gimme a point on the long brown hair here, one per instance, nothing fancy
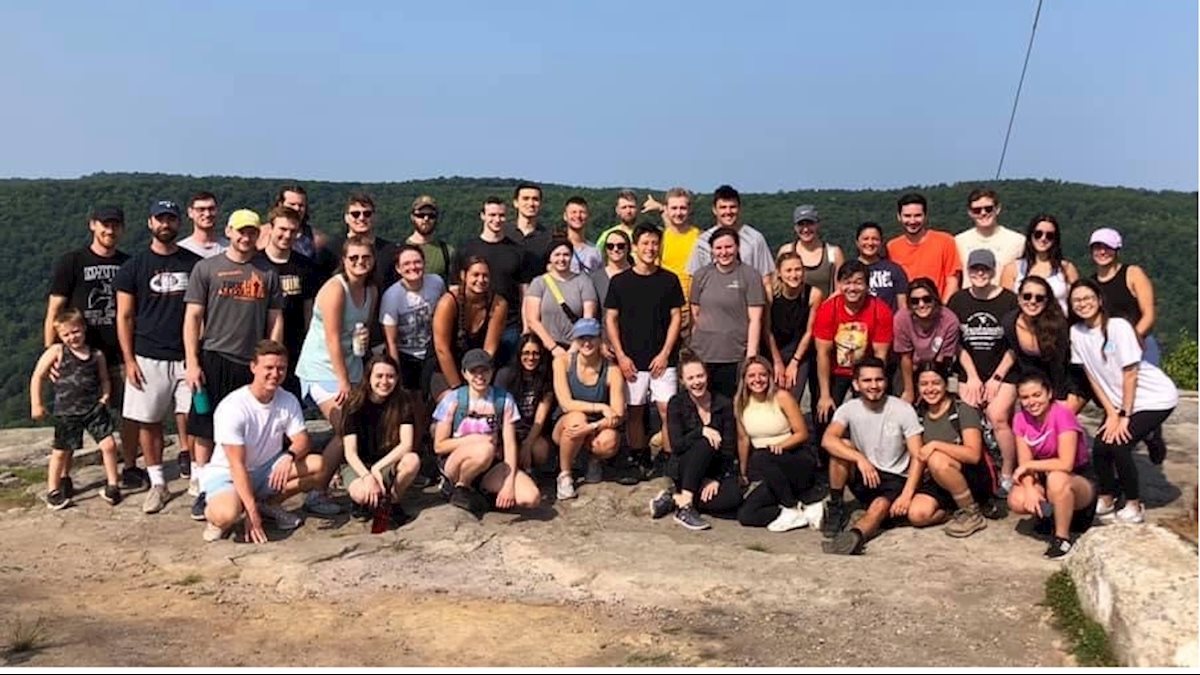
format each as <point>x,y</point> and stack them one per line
<point>742,398</point>
<point>1050,325</point>
<point>395,406</point>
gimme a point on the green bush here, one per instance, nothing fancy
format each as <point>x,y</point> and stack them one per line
<point>1180,363</point>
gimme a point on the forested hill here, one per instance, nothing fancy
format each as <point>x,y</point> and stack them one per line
<point>40,219</point>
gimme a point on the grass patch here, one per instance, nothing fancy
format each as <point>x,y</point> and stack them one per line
<point>1089,643</point>
<point>190,580</point>
<point>18,496</point>
<point>644,660</point>
<point>759,548</point>
<point>27,636</point>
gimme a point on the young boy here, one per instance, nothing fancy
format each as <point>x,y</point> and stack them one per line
<point>81,395</point>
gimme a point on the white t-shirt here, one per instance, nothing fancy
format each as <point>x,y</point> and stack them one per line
<point>881,436</point>
<point>204,250</point>
<point>1007,245</point>
<point>412,313</point>
<point>241,419</point>
<point>1155,391</point>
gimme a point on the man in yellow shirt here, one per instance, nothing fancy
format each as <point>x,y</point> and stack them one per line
<point>679,238</point>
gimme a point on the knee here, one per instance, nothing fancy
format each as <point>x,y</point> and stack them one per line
<point>529,498</point>
<point>573,418</point>
<point>605,444</point>
<point>1058,484</point>
<point>223,512</point>
<point>923,513</point>
<point>408,464</point>
<point>998,416</point>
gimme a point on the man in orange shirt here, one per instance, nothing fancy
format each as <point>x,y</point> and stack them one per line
<point>923,252</point>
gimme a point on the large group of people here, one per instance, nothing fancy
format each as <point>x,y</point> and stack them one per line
<point>941,376</point>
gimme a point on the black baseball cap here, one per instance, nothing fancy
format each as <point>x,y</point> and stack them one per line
<point>108,212</point>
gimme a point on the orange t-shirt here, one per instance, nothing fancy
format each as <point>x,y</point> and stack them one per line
<point>936,257</point>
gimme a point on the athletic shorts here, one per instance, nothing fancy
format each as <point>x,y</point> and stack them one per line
<point>940,494</point>
<point>222,376</point>
<point>219,478</point>
<point>68,429</point>
<point>349,475</point>
<point>658,389</point>
<point>890,486</point>
<point>318,392</point>
<point>164,390</point>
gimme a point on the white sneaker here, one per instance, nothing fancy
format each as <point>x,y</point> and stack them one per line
<point>1130,514</point>
<point>595,471</point>
<point>814,513</point>
<point>566,486</point>
<point>213,533</point>
<point>284,519</point>
<point>194,486</point>
<point>789,519</point>
<point>1106,512</point>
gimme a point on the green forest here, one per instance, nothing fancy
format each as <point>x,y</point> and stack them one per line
<point>41,219</point>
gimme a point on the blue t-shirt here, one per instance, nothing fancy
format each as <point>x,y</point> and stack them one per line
<point>887,280</point>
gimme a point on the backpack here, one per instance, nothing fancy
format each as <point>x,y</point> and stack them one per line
<point>495,394</point>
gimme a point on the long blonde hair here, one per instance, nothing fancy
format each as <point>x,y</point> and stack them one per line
<point>743,396</point>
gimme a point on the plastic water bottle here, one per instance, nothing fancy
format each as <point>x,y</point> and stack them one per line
<point>360,339</point>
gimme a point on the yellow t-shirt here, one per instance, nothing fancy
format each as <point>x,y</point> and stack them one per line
<point>676,249</point>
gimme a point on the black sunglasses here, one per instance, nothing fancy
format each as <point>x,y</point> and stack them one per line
<point>1045,235</point>
<point>426,215</point>
<point>982,210</point>
<point>361,214</point>
<point>917,301</point>
<point>1033,297</point>
<point>616,247</point>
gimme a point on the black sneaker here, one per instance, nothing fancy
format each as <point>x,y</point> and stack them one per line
<point>399,516</point>
<point>462,498</point>
<point>662,504</point>
<point>421,481</point>
<point>849,542</point>
<point>993,509</point>
<point>446,488</point>
<point>67,487</point>
<point>198,507</point>
<point>1058,548</point>
<point>133,478</point>
<point>185,464</point>
<point>1044,526</point>
<point>56,500</point>
<point>360,512</point>
<point>111,494</point>
<point>690,518</point>
<point>1156,447</point>
<point>834,520</point>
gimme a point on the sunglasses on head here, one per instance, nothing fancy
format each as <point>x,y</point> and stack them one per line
<point>982,210</point>
<point>1044,235</point>
<point>616,246</point>
<point>1033,297</point>
<point>362,214</point>
<point>917,301</point>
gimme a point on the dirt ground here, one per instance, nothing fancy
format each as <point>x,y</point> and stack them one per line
<point>588,583</point>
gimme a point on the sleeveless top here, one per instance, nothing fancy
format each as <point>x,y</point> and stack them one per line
<point>789,320</point>
<point>1118,299</point>
<point>765,423</point>
<point>315,364</point>
<point>593,393</point>
<point>1058,283</point>
<point>464,338</point>
<point>78,388</point>
<point>819,275</point>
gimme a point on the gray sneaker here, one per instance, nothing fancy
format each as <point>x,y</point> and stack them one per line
<point>565,488</point>
<point>156,498</point>
<point>284,519</point>
<point>321,505</point>
<point>966,522</point>
<point>690,518</point>
<point>662,505</point>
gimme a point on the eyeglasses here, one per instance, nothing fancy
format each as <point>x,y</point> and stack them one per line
<point>917,301</point>
<point>425,215</point>
<point>1083,299</point>
<point>982,210</point>
<point>1044,235</point>
<point>364,257</point>
<point>1033,297</point>
<point>361,214</point>
<point>532,355</point>
<point>616,247</point>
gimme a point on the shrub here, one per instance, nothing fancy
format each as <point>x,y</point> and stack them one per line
<point>1180,363</point>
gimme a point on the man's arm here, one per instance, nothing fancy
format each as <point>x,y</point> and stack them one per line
<point>54,305</point>
<point>275,324</point>
<point>193,316</point>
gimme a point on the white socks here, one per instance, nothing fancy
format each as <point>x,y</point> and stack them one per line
<point>156,475</point>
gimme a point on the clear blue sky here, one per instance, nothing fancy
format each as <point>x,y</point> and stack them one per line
<point>763,95</point>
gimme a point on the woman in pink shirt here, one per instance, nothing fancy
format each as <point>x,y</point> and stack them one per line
<point>924,331</point>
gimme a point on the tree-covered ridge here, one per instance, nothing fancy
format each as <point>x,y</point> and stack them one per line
<point>40,219</point>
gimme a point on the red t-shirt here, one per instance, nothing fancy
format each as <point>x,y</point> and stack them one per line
<point>852,334</point>
<point>936,258</point>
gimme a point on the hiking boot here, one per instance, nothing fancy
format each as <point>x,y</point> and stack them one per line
<point>156,498</point>
<point>965,522</point>
<point>1130,514</point>
<point>133,478</point>
<point>283,519</point>
<point>849,542</point>
<point>463,498</point>
<point>595,472</point>
<point>111,494</point>
<point>834,520</point>
<point>1058,548</point>
<point>67,487</point>
<point>198,507</point>
<point>788,519</point>
<point>565,486</point>
<point>662,504</point>
<point>213,533</point>
<point>1156,447</point>
<point>319,504</point>
<point>184,460</point>
<point>690,518</point>
<point>56,500</point>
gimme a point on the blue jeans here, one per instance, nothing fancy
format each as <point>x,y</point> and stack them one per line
<point>1150,351</point>
<point>508,346</point>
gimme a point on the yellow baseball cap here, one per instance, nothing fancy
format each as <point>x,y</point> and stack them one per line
<point>243,218</point>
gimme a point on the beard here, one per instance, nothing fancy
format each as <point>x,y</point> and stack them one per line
<point>166,235</point>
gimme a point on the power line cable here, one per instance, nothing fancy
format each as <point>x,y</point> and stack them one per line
<point>1020,83</point>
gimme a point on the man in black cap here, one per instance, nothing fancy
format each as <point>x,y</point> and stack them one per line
<point>83,279</point>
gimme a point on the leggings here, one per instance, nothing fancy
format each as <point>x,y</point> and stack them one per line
<point>1106,456</point>
<point>723,378</point>
<point>695,462</point>
<point>784,478</point>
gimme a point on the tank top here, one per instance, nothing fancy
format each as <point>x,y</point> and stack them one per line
<point>464,338</point>
<point>789,319</point>
<point>1058,283</point>
<point>819,275</point>
<point>315,364</point>
<point>78,388</point>
<point>1118,299</point>
<point>590,393</point>
<point>765,423</point>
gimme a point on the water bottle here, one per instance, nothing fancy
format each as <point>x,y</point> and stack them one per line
<point>360,339</point>
<point>1047,509</point>
<point>201,404</point>
<point>379,524</point>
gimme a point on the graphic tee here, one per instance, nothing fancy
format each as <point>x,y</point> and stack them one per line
<point>158,284</point>
<point>86,281</point>
<point>852,334</point>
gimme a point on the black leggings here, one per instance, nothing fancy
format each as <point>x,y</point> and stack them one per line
<point>695,462</point>
<point>723,378</point>
<point>785,477</point>
<point>1106,456</point>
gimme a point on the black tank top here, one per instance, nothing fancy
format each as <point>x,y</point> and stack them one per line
<point>465,339</point>
<point>1118,299</point>
<point>789,319</point>
<point>78,388</point>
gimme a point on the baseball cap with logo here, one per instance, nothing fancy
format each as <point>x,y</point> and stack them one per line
<point>243,218</point>
<point>164,206</point>
<point>108,213</point>
<point>1107,236</point>
<point>806,212</point>
<point>424,202</point>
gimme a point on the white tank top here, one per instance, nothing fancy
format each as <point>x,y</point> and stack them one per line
<point>1058,283</point>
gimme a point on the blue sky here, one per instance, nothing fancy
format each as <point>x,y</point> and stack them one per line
<point>764,95</point>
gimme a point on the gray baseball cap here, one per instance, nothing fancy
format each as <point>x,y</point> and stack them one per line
<point>981,257</point>
<point>806,212</point>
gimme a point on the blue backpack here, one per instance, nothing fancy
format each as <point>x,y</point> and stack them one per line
<point>497,396</point>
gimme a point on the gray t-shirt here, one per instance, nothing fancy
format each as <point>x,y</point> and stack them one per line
<point>881,435</point>
<point>942,429</point>
<point>236,298</point>
<point>752,248</point>
<point>575,291</point>
<point>720,334</point>
<point>212,250</point>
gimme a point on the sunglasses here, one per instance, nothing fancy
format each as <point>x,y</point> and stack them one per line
<point>915,301</point>
<point>1033,297</point>
<point>362,257</point>
<point>616,247</point>
<point>1044,235</point>
<point>425,215</point>
<point>982,210</point>
<point>531,354</point>
<point>361,214</point>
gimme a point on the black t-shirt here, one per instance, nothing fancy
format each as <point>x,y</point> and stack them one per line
<point>157,284</point>
<point>508,266</point>
<point>1053,365</point>
<point>86,281</point>
<point>645,303</point>
<point>367,424</point>
<point>299,282</point>
<point>789,320</point>
<point>982,330</point>
<point>535,244</point>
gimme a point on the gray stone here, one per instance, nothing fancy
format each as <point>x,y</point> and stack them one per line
<point>1140,584</point>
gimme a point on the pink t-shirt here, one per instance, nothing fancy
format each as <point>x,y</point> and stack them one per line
<point>939,344</point>
<point>1043,438</point>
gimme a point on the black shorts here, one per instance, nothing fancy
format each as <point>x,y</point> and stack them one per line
<point>1083,517</point>
<point>415,373</point>
<point>940,494</point>
<point>221,377</point>
<point>68,429</point>
<point>890,486</point>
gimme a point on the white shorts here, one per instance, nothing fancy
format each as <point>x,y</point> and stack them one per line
<point>318,392</point>
<point>658,389</point>
<point>165,390</point>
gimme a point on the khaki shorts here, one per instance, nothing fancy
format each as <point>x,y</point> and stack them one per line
<point>349,475</point>
<point>164,391</point>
